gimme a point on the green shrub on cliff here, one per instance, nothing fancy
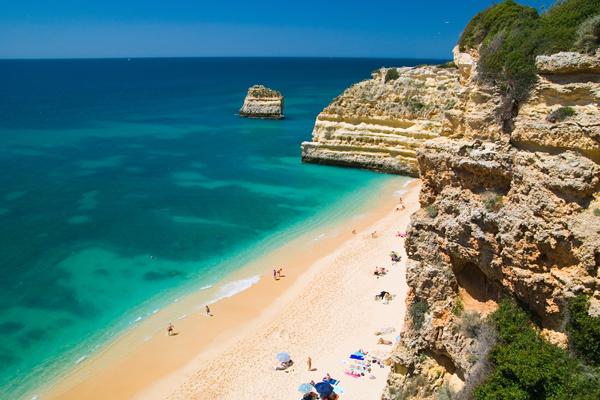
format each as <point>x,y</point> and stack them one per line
<point>509,37</point>
<point>561,114</point>
<point>588,35</point>
<point>449,64</point>
<point>584,330</point>
<point>431,210</point>
<point>597,212</point>
<point>484,26</point>
<point>528,367</point>
<point>493,201</point>
<point>418,309</point>
<point>391,75</point>
<point>458,306</point>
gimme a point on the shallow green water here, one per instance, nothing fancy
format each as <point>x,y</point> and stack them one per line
<point>124,183</point>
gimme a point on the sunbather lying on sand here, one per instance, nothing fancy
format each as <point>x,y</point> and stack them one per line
<point>379,271</point>
<point>284,365</point>
<point>382,295</point>
<point>383,341</point>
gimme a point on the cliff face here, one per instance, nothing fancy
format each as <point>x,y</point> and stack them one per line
<point>379,125</point>
<point>501,213</point>
<point>262,102</point>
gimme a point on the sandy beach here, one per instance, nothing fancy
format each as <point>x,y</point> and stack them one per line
<point>323,307</point>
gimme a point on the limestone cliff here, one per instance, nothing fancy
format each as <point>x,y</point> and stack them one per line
<point>381,122</point>
<point>501,213</point>
<point>262,102</point>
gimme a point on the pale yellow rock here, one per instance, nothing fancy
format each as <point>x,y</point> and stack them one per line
<point>503,212</point>
<point>379,125</point>
<point>262,102</point>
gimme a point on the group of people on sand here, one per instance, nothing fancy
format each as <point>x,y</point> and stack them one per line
<point>401,205</point>
<point>323,390</point>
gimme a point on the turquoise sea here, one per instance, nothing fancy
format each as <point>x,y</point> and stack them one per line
<point>127,182</point>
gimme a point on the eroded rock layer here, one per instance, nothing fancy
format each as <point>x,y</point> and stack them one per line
<point>262,102</point>
<point>501,213</point>
<point>380,123</point>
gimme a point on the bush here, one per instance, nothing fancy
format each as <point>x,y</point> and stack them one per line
<point>432,211</point>
<point>414,105</point>
<point>584,330</point>
<point>509,37</point>
<point>449,64</point>
<point>495,19</point>
<point>418,309</point>
<point>597,212</point>
<point>560,114</point>
<point>493,201</point>
<point>391,75</point>
<point>470,324</point>
<point>528,367</point>
<point>559,26</point>
<point>444,392</point>
<point>458,306</point>
<point>588,35</point>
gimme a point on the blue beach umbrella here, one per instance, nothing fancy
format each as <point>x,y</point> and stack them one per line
<point>283,357</point>
<point>305,388</point>
<point>324,389</point>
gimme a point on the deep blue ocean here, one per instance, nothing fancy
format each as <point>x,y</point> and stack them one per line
<point>124,181</point>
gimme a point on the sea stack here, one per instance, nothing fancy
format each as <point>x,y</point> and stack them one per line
<point>262,102</point>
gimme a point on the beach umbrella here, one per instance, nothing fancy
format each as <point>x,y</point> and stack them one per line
<point>283,357</point>
<point>324,389</point>
<point>305,388</point>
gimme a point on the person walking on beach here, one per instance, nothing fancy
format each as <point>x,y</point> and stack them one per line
<point>279,271</point>
<point>274,274</point>
<point>309,363</point>
<point>401,203</point>
<point>170,330</point>
<point>207,308</point>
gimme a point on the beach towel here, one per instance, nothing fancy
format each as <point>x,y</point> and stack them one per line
<point>338,390</point>
<point>357,357</point>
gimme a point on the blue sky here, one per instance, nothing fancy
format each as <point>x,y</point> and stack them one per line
<point>153,28</point>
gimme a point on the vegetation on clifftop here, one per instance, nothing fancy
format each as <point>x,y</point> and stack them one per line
<point>528,367</point>
<point>509,37</point>
<point>391,75</point>
<point>584,331</point>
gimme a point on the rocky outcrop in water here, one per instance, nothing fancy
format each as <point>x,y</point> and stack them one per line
<point>381,122</point>
<point>501,213</point>
<point>262,102</point>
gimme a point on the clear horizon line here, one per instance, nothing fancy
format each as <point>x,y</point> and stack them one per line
<point>232,57</point>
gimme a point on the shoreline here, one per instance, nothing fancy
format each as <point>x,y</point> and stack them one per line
<point>145,360</point>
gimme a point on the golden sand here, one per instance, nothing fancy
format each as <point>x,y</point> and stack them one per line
<point>323,307</point>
